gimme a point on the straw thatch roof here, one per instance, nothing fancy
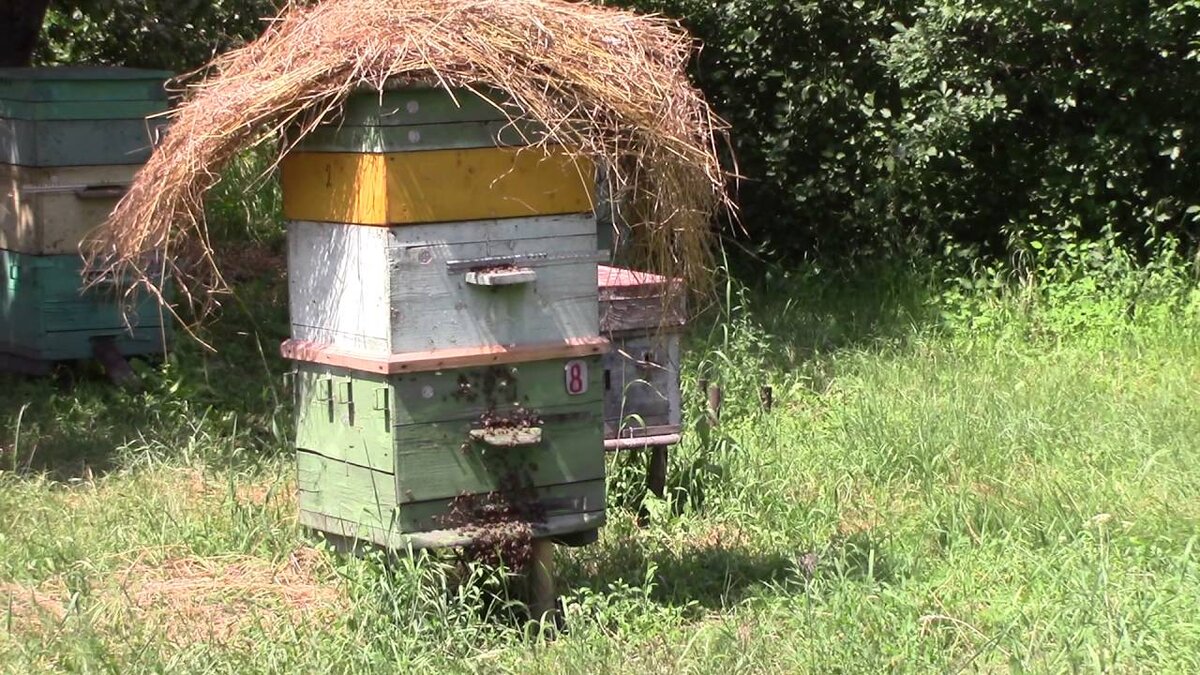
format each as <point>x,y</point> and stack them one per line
<point>609,84</point>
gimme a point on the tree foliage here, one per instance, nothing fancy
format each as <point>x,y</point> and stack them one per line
<point>1002,123</point>
<point>861,125</point>
<point>176,35</point>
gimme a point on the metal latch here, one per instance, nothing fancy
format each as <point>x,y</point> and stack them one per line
<point>382,404</point>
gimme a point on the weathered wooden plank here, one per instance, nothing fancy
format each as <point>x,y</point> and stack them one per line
<point>79,110</point>
<point>438,460</point>
<point>361,418</point>
<point>418,137</point>
<point>446,311</point>
<point>424,105</point>
<point>511,316</point>
<point>434,186</point>
<point>496,233</point>
<point>50,210</point>
<point>45,316</point>
<point>638,315</point>
<point>467,394</point>
<point>98,312</point>
<point>82,83</point>
<point>77,142</point>
<point>338,286</point>
<point>78,344</point>
<point>367,498</point>
<point>452,260</point>
<point>361,495</point>
<point>553,526</point>
<point>347,492</point>
<point>635,302</point>
<point>441,359</point>
<point>435,396</point>
<point>560,305</point>
<point>341,295</point>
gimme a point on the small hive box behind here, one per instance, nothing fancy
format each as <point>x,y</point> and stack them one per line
<point>445,325</point>
<point>71,139</point>
<point>643,315</point>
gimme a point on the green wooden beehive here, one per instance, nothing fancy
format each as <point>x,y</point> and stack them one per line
<point>46,315</point>
<point>412,459</point>
<point>445,326</point>
<point>71,139</point>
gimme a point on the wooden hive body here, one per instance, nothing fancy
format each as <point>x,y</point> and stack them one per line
<point>384,291</point>
<point>71,140</point>
<point>442,280</point>
<point>643,316</point>
<point>408,437</point>
<point>46,315</point>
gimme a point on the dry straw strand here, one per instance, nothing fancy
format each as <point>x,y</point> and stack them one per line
<point>608,84</point>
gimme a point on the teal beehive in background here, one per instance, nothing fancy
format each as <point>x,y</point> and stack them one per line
<point>71,139</point>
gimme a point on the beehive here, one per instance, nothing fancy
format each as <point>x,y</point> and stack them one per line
<point>643,315</point>
<point>70,141</point>
<point>445,325</point>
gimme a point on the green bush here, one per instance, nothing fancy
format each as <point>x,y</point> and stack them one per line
<point>176,35</point>
<point>861,125</point>
<point>867,127</point>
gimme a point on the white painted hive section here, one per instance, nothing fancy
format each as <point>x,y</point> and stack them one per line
<point>382,291</point>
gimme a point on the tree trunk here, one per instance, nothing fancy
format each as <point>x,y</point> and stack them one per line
<point>20,24</point>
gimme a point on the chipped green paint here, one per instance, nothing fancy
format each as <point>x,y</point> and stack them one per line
<point>419,426</point>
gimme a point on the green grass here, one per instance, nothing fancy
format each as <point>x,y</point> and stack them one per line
<point>949,480</point>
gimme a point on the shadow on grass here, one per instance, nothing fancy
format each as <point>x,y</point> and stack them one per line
<point>712,575</point>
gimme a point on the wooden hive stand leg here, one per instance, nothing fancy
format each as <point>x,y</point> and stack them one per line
<point>115,365</point>
<point>656,471</point>
<point>544,605</point>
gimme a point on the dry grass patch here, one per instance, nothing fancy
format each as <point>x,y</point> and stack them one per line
<point>26,608</point>
<point>218,599</point>
<point>186,600</point>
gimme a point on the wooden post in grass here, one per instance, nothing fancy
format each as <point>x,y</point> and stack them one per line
<point>712,411</point>
<point>544,602</point>
<point>715,399</point>
<point>656,471</point>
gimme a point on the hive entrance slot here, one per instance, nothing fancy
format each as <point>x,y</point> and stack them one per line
<point>501,275</point>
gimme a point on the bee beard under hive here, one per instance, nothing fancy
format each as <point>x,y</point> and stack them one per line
<point>500,524</point>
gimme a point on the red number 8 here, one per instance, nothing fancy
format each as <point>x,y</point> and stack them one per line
<point>576,372</point>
